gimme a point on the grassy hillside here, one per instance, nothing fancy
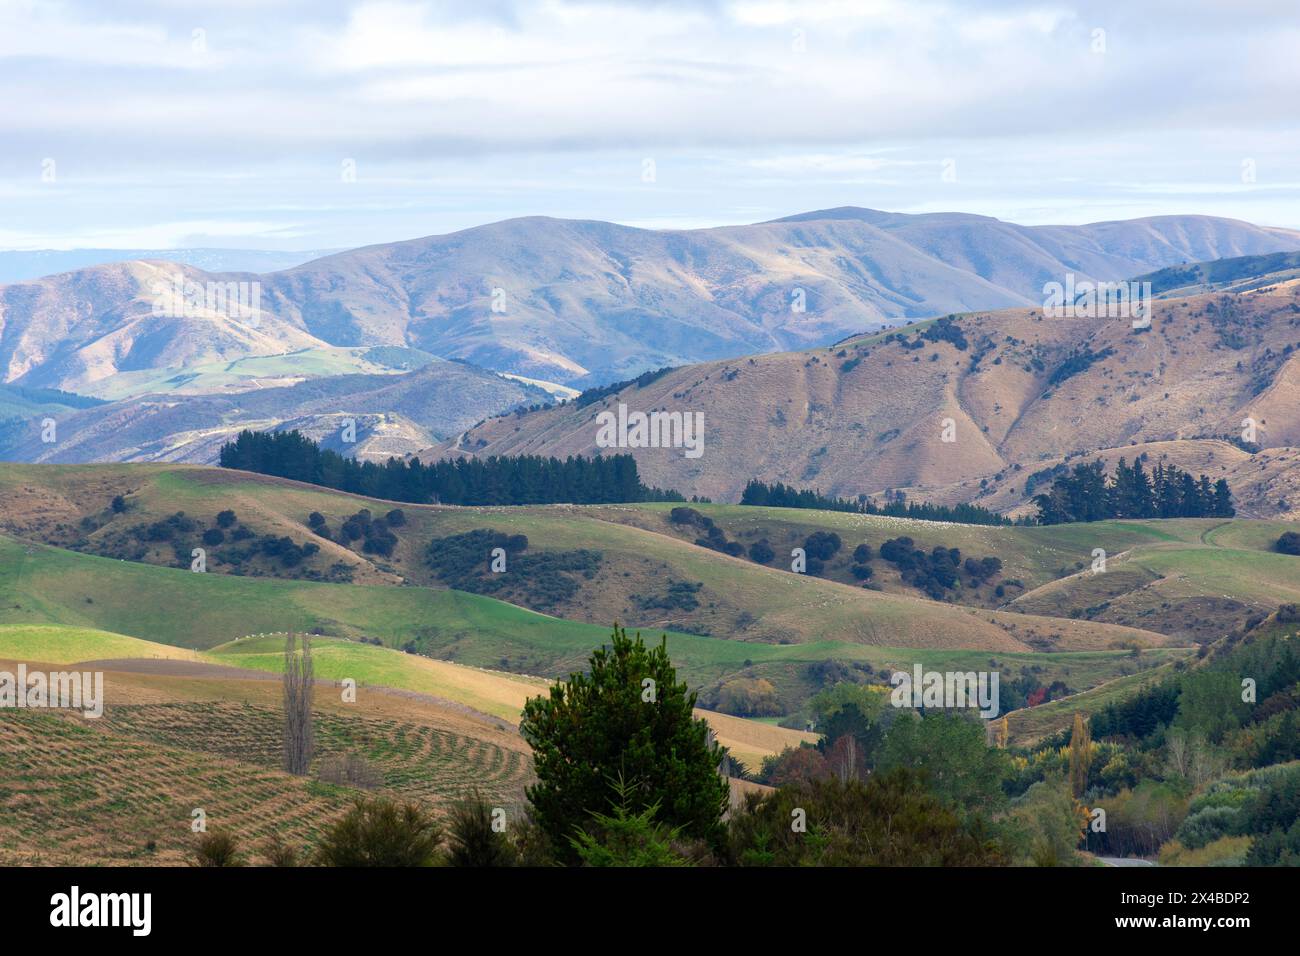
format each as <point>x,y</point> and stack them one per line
<point>1031,724</point>
<point>42,585</point>
<point>52,644</point>
<point>254,371</point>
<point>640,557</point>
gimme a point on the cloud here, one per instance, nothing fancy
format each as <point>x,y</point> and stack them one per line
<point>789,95</point>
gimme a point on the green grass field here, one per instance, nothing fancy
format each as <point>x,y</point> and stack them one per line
<point>53,644</point>
<point>41,585</point>
<point>752,620</point>
<point>640,552</point>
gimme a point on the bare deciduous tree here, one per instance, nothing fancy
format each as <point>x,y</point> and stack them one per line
<point>298,684</point>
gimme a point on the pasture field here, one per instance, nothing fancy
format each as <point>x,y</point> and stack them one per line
<point>641,556</point>
<point>437,682</point>
<point>42,585</point>
<point>52,644</point>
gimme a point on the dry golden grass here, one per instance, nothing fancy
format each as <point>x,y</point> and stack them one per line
<point>803,418</point>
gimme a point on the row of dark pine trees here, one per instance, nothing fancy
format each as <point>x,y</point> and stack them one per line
<point>521,480</point>
<point>1086,493</point>
<point>780,495</point>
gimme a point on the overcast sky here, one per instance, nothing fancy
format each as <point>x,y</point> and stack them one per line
<point>281,124</point>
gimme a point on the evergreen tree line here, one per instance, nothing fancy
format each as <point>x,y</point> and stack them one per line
<point>520,480</point>
<point>1086,493</point>
<point>779,495</point>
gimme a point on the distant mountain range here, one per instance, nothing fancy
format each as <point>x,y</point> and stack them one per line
<point>582,302</point>
<point>521,305</point>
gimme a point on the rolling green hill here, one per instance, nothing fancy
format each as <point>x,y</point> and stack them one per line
<point>41,585</point>
<point>1167,582</point>
<point>54,644</point>
<point>641,556</point>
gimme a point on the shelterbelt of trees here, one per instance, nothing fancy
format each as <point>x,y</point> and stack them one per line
<point>779,495</point>
<point>1086,494</point>
<point>521,480</point>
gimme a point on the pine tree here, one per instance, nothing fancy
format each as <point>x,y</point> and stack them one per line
<point>628,717</point>
<point>1223,507</point>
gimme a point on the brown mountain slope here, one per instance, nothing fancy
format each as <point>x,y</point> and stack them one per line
<point>72,330</point>
<point>1264,484</point>
<point>584,301</point>
<point>873,413</point>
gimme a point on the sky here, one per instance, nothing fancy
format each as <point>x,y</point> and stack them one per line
<point>288,125</point>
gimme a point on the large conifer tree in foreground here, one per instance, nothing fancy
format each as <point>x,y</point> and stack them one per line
<point>629,719</point>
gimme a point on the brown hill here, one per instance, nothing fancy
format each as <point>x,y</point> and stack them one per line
<point>1019,392</point>
<point>72,330</point>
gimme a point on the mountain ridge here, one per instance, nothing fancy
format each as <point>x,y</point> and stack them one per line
<point>1017,392</point>
<point>582,302</point>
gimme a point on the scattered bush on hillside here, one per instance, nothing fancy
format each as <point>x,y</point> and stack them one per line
<point>761,552</point>
<point>945,330</point>
<point>677,596</point>
<point>375,534</point>
<point>542,580</point>
<point>283,547</point>
<point>822,545</point>
<point>714,537</point>
<point>938,571</point>
<point>473,837</point>
<point>379,832</point>
<point>1076,363</point>
<point>218,848</point>
<point>167,529</point>
<point>1288,543</point>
